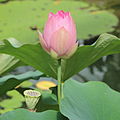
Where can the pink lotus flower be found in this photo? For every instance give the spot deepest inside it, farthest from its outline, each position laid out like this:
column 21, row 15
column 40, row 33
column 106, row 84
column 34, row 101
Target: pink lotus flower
column 59, row 37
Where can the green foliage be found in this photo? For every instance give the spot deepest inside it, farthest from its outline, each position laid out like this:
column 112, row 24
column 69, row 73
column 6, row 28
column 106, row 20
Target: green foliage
column 1, row 1
column 33, row 55
column 26, row 84
column 22, row 114
column 13, row 23
column 89, row 20
column 5, row 110
column 11, row 103
column 48, row 101
column 90, row 101
column 85, row 56
column 7, row 61
column 11, row 81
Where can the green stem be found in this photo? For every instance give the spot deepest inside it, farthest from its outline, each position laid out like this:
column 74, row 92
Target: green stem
column 59, row 82
column 62, row 90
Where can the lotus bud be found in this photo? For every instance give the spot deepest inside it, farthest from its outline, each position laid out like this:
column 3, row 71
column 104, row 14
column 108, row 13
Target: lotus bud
column 31, row 98
column 59, row 37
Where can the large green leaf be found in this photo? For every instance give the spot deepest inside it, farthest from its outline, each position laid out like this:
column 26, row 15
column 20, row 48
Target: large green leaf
column 90, row 101
column 88, row 54
column 32, row 55
column 11, row 81
column 89, row 20
column 22, row 114
column 35, row 56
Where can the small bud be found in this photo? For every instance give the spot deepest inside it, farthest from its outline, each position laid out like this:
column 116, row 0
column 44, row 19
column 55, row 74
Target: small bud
column 31, row 98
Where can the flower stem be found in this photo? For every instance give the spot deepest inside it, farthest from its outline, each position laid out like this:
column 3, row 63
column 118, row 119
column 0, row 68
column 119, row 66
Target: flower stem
column 59, row 82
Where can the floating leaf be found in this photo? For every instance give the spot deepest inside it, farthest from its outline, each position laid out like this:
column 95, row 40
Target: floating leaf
column 14, row 102
column 1, row 1
column 11, row 81
column 89, row 20
column 26, row 84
